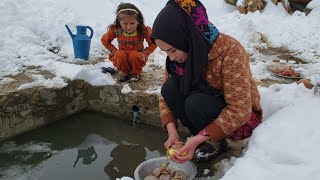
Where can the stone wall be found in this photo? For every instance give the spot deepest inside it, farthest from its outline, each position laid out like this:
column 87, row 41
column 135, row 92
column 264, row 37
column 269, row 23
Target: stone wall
column 25, row 110
column 110, row 100
column 22, row 111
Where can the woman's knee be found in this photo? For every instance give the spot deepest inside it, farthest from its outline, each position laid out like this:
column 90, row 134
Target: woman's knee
column 203, row 108
column 193, row 107
column 169, row 87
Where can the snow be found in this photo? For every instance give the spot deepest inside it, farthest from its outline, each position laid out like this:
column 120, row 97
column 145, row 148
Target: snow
column 30, row 147
column 284, row 146
column 41, row 81
column 126, row 89
column 33, row 34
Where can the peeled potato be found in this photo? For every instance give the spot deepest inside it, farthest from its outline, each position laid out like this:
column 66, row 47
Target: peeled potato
column 174, row 148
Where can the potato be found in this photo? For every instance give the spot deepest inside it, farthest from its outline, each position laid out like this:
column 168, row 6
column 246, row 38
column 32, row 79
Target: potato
column 174, row 148
column 151, row 178
column 179, row 175
column 165, row 177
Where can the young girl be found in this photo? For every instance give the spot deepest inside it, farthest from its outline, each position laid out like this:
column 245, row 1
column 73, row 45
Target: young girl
column 130, row 31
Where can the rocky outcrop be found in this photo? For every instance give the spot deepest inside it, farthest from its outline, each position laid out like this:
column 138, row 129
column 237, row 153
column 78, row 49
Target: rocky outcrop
column 258, row 5
column 294, row 5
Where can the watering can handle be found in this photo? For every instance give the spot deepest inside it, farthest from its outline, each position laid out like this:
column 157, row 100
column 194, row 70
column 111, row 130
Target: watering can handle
column 91, row 31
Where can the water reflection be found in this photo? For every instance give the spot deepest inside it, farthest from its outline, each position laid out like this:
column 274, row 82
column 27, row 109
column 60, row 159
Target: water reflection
column 84, row 146
column 125, row 159
column 88, row 156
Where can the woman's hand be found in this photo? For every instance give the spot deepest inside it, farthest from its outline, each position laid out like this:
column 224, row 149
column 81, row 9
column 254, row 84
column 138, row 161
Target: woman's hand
column 171, row 140
column 190, row 148
column 173, row 136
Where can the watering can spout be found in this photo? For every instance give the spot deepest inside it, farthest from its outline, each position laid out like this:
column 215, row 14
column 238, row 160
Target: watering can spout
column 72, row 35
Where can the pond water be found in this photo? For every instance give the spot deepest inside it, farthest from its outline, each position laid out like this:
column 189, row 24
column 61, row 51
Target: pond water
column 85, row 146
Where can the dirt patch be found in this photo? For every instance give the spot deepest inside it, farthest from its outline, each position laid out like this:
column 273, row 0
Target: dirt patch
column 23, row 78
column 269, row 82
column 84, row 62
column 289, row 57
column 150, row 80
column 281, row 54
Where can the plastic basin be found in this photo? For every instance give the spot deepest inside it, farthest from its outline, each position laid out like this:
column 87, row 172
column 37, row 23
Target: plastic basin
column 146, row 168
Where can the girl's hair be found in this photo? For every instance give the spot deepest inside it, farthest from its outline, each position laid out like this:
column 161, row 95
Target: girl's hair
column 122, row 6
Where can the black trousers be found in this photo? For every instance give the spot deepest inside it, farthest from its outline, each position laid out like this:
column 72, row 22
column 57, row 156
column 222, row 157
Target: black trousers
column 195, row 111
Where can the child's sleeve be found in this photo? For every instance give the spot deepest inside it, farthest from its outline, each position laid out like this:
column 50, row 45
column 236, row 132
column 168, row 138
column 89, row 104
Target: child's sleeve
column 107, row 38
column 151, row 47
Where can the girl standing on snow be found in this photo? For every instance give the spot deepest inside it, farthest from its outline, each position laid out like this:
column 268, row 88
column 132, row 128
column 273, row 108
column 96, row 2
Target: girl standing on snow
column 130, row 31
column 208, row 84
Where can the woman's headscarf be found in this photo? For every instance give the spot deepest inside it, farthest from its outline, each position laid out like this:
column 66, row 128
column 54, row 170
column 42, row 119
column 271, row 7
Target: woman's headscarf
column 184, row 25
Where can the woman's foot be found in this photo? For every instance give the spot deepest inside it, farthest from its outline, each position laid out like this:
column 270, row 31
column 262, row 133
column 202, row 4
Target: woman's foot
column 208, row 150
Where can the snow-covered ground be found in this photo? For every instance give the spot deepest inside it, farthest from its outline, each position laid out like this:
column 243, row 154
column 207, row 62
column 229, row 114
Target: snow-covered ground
column 285, row 146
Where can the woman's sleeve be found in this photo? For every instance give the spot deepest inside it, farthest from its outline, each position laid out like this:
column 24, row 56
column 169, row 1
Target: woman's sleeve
column 166, row 115
column 236, row 84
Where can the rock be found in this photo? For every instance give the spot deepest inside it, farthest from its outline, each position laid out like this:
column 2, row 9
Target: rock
column 294, row 5
column 256, row 5
column 241, row 9
column 231, row 2
column 306, row 83
column 307, row 10
column 252, row 6
column 301, row 1
column 286, row 5
column 298, row 1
